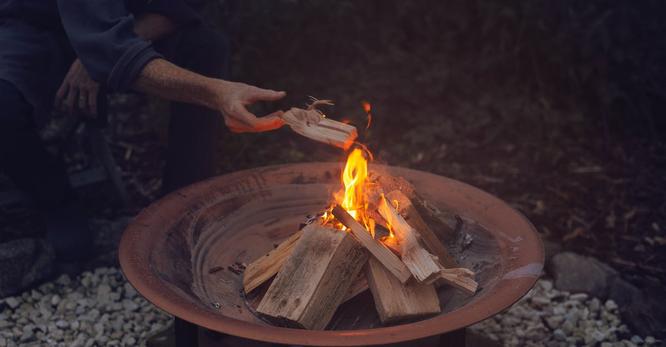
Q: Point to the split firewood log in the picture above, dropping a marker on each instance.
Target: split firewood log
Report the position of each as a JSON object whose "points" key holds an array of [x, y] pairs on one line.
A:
{"points": [[448, 271], [314, 279], [313, 124], [267, 266], [420, 262]]}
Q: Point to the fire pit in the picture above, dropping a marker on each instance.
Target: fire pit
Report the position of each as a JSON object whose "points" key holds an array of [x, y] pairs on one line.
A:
{"points": [[185, 253]]}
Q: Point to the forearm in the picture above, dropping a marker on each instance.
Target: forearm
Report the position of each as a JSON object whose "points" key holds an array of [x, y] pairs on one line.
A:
{"points": [[152, 26], [166, 80]]}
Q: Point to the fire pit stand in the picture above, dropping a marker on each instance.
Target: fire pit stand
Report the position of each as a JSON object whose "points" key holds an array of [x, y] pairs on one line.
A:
{"points": [[185, 253]]}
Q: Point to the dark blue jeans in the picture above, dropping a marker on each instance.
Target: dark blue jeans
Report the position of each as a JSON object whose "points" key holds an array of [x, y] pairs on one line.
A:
{"points": [[23, 156], [35, 171]]}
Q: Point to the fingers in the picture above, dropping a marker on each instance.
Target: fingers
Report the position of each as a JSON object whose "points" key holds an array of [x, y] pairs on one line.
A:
{"points": [[83, 101], [60, 95], [268, 123], [92, 102], [258, 94], [241, 120], [235, 126], [71, 101], [78, 92]]}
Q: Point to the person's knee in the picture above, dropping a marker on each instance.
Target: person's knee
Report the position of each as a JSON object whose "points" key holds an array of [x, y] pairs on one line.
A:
{"points": [[207, 51]]}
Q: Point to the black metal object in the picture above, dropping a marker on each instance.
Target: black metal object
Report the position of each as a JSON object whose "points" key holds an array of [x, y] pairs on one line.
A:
{"points": [[186, 333]]}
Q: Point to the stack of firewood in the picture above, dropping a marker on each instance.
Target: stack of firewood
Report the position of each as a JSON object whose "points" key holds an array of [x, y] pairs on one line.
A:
{"points": [[321, 266]]}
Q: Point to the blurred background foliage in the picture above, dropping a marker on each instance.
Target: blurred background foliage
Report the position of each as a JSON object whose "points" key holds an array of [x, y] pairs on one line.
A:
{"points": [[555, 106]]}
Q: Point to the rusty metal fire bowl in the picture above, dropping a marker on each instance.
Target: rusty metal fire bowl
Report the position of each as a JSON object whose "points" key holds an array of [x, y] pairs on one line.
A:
{"points": [[179, 252]]}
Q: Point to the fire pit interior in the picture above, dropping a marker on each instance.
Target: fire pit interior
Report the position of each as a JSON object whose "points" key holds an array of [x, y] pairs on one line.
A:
{"points": [[186, 253]]}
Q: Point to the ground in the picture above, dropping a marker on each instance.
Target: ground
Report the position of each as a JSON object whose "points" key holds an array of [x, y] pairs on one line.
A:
{"points": [[552, 106]]}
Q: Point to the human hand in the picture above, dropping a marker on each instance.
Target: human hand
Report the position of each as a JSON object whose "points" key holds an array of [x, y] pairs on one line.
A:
{"points": [[232, 97], [78, 92]]}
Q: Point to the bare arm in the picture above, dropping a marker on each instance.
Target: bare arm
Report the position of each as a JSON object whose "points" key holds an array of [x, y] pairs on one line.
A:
{"points": [[164, 79], [152, 26], [78, 92]]}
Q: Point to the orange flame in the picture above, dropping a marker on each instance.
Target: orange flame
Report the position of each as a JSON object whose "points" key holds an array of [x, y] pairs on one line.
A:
{"points": [[368, 110], [366, 106], [352, 198]]}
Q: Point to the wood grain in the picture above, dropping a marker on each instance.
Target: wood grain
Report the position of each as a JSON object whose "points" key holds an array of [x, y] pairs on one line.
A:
{"points": [[264, 268], [420, 263], [396, 301], [379, 251], [429, 239], [314, 280], [323, 130]]}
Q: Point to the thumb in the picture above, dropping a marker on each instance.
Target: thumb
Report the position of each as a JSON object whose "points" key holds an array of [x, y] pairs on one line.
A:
{"points": [[269, 122], [259, 94]]}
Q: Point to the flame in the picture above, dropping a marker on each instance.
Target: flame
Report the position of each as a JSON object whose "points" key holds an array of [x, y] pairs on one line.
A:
{"points": [[353, 177], [368, 110], [353, 198], [366, 106]]}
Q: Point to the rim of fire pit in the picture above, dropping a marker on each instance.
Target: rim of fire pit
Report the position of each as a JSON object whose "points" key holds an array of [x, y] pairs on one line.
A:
{"points": [[514, 283]]}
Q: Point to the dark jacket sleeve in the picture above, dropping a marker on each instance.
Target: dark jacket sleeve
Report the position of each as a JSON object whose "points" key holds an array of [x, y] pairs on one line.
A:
{"points": [[177, 10], [102, 34]]}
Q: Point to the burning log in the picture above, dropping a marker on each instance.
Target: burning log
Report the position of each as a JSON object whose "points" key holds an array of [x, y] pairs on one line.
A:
{"points": [[395, 301], [312, 124], [442, 223], [264, 268], [314, 280], [420, 263], [392, 263], [449, 273], [430, 240]]}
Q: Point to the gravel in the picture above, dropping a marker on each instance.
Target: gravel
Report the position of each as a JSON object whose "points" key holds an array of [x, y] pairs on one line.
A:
{"points": [[97, 308], [550, 317], [100, 308]]}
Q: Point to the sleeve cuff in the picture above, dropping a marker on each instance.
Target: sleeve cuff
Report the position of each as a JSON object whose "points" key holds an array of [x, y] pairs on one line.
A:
{"points": [[130, 65]]}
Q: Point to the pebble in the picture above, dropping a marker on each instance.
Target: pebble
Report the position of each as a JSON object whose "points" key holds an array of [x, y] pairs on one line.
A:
{"points": [[130, 292], [100, 308], [610, 305], [547, 316], [55, 300], [636, 339], [97, 308], [578, 297], [12, 302]]}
